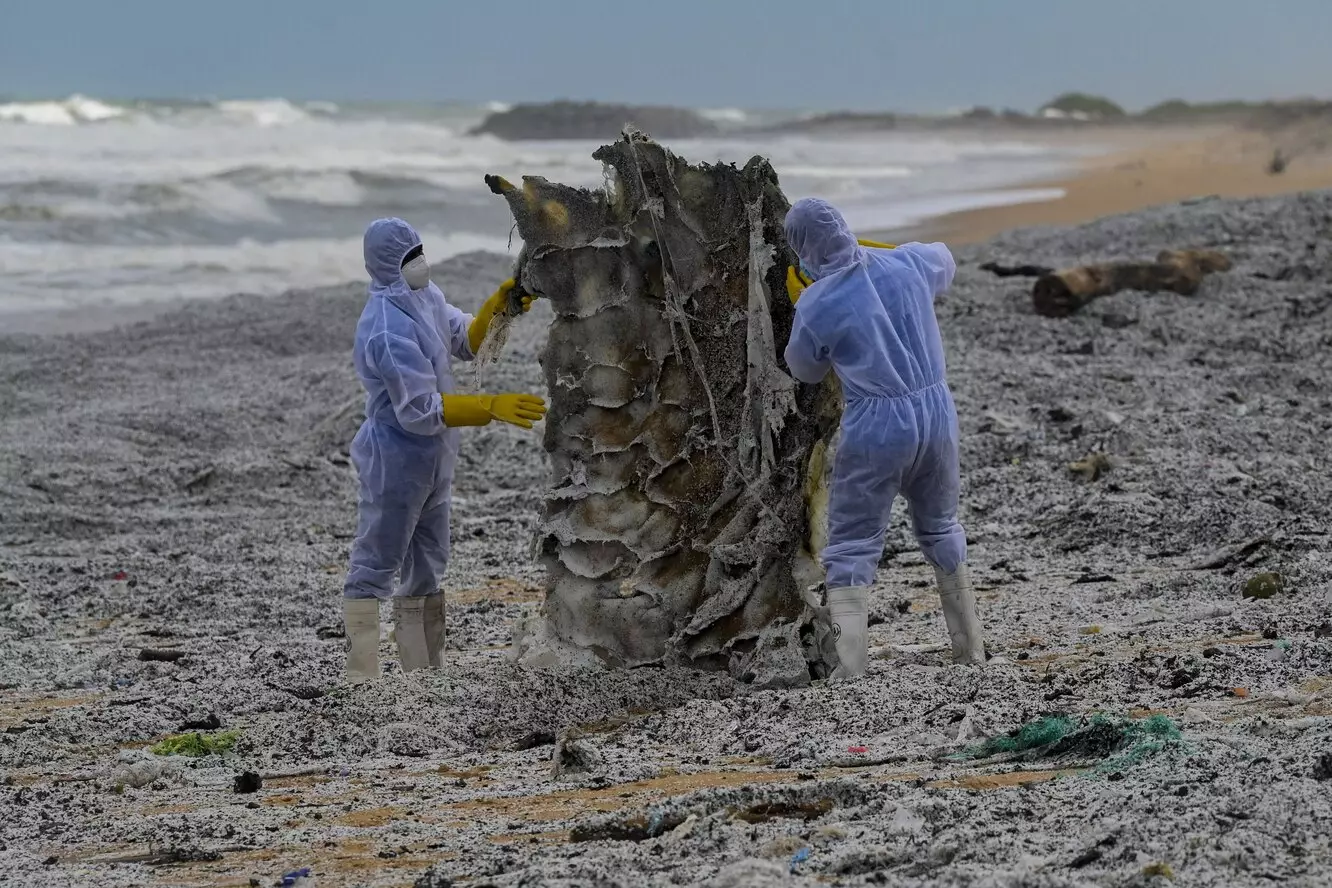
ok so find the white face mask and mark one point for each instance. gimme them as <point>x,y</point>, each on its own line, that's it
<point>417,273</point>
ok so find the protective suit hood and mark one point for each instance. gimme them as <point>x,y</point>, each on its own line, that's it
<point>386,242</point>
<point>820,237</point>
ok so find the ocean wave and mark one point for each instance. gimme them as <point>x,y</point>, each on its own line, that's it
<point>66,112</point>
<point>263,112</point>
<point>846,172</point>
<point>725,115</point>
<point>48,275</point>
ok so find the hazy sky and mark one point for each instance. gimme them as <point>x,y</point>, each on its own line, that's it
<point>927,55</point>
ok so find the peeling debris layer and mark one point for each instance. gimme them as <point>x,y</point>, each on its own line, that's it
<point>179,486</point>
<point>676,526</point>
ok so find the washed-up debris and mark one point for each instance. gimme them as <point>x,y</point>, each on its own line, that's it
<point>1161,870</point>
<point>1227,557</point>
<point>137,774</point>
<point>999,270</point>
<point>1091,467</point>
<point>572,757</point>
<point>1086,858</point>
<point>199,480</point>
<point>805,802</point>
<point>210,722</point>
<point>196,744</point>
<point>1099,737</point>
<point>1061,293</point>
<point>731,451</point>
<point>432,878</point>
<point>159,655</point>
<point>534,740</point>
<point>295,877</point>
<point>1264,585</point>
<point>798,858</point>
<point>247,782</point>
<point>170,856</point>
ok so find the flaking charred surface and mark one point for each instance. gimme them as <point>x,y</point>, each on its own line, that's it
<point>676,526</point>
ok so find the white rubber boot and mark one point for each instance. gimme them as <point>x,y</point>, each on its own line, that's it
<point>434,630</point>
<point>360,616</point>
<point>960,615</point>
<point>409,628</point>
<point>849,609</point>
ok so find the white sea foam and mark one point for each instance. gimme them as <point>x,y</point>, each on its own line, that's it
<point>263,112</point>
<point>67,112</point>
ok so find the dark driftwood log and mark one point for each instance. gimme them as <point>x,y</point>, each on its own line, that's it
<point>1061,293</point>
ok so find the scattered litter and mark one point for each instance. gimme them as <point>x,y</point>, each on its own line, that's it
<point>1025,270</point>
<point>1086,858</point>
<point>534,740</point>
<point>137,774</point>
<point>1163,870</point>
<point>1091,467</point>
<point>1121,741</point>
<point>1226,557</point>
<point>857,750</point>
<point>196,744</point>
<point>1264,586</point>
<point>798,858</point>
<point>1239,692</point>
<point>572,757</point>
<point>199,479</point>
<point>210,722</point>
<point>120,576</point>
<point>247,782</point>
<point>295,877</point>
<point>155,655</point>
<point>1323,767</point>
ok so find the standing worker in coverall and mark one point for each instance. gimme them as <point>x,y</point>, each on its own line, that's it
<point>868,315</point>
<point>405,451</point>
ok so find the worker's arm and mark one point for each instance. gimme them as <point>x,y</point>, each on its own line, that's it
<point>806,356</point>
<point>934,262</point>
<point>409,378</point>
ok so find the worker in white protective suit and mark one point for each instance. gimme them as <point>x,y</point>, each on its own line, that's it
<point>405,451</point>
<point>867,314</point>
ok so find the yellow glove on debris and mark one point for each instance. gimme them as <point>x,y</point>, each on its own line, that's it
<point>797,280</point>
<point>499,300</point>
<point>479,410</point>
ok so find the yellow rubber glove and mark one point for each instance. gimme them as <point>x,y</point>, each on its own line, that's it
<point>479,410</point>
<point>796,282</point>
<point>499,300</point>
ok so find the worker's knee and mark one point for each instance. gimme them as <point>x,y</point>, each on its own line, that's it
<point>944,550</point>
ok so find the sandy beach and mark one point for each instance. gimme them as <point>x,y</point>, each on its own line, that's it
<point>1149,168</point>
<point>176,506</point>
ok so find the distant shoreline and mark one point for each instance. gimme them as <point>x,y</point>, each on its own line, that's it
<point>1162,167</point>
